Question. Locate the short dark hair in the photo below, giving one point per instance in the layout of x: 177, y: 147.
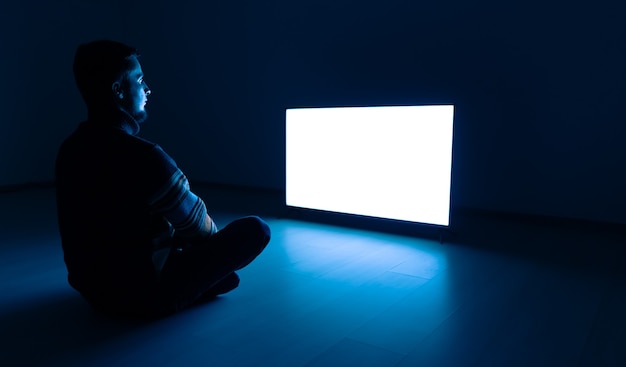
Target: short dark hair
x: 97, y: 65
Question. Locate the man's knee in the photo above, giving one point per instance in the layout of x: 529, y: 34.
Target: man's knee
x: 258, y: 227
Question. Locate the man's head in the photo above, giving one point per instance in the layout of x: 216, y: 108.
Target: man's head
x: 109, y: 77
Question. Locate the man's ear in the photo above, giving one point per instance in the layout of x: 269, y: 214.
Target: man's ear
x: 117, y: 90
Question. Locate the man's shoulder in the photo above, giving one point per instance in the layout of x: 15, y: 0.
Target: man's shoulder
x: 92, y: 133
x: 152, y: 149
x: 142, y: 142
x: 147, y: 149
x: 112, y: 145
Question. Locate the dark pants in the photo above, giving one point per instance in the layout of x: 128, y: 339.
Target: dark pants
x: 198, y: 270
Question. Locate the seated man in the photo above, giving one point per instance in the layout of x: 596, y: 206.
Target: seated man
x: 136, y: 240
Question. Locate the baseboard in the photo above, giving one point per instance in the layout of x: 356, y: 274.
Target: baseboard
x: 27, y: 186
x: 543, y: 220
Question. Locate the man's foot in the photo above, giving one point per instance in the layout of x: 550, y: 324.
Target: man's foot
x: 230, y: 282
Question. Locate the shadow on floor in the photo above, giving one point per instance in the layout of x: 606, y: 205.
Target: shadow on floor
x: 54, y: 327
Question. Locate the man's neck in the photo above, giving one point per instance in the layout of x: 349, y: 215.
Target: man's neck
x: 117, y: 118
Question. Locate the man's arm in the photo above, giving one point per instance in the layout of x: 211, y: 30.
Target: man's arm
x: 209, y: 228
x: 182, y: 208
x: 169, y: 194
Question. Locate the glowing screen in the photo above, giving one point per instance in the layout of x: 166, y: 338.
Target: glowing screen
x: 390, y: 162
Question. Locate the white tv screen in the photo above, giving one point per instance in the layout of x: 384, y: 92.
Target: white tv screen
x: 392, y: 162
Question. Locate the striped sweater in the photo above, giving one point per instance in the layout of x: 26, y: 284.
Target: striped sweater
x: 120, y: 199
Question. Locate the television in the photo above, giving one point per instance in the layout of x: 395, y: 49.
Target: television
x: 391, y: 162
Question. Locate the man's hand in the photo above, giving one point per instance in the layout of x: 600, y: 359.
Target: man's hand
x: 209, y: 226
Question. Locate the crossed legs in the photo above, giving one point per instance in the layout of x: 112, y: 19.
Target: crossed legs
x: 205, y: 269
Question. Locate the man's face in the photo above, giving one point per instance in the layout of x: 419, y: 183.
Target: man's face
x: 134, y: 92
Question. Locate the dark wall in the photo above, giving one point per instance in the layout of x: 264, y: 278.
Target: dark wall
x: 538, y: 87
x: 39, y: 104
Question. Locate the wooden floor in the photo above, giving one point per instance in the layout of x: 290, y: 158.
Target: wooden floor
x: 500, y: 292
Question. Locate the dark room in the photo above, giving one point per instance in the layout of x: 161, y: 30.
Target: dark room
x: 520, y: 261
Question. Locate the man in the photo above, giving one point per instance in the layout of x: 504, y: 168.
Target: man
x: 136, y: 240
